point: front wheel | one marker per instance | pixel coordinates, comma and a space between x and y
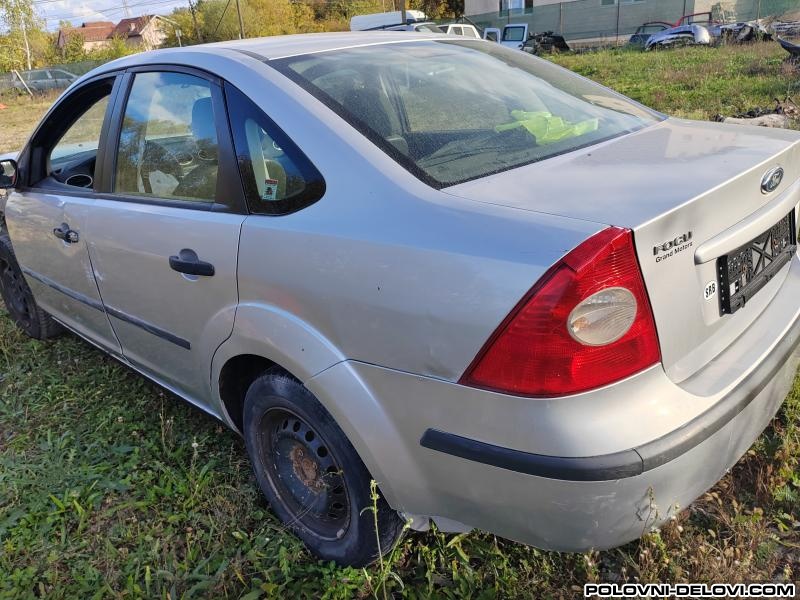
312, 476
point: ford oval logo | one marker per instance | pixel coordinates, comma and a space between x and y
771, 180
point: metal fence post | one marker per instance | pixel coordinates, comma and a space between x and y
561, 18
619, 10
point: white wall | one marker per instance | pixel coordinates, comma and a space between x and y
477, 7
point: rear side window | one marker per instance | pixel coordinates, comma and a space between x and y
277, 177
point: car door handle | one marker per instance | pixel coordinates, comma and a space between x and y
188, 263
66, 234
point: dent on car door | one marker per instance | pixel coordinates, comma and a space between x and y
46, 215
164, 243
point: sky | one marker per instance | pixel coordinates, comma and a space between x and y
78, 11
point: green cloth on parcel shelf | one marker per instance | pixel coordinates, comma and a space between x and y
546, 127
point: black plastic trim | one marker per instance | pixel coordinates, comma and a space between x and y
149, 327
591, 468
64, 290
627, 463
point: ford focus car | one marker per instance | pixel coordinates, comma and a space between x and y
515, 299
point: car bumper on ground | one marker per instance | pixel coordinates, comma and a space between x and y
591, 471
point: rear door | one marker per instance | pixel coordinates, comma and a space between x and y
47, 216
164, 242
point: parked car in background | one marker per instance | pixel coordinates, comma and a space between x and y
513, 298
416, 20
464, 29
40, 80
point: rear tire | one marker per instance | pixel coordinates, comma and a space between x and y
18, 298
312, 476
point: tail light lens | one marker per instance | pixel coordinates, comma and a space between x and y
586, 323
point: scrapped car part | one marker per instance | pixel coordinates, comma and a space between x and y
683, 35
548, 42
791, 46
787, 107
773, 120
785, 29
424, 261
645, 30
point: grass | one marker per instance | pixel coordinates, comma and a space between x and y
19, 114
110, 487
694, 83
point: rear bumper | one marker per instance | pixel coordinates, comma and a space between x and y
637, 460
590, 471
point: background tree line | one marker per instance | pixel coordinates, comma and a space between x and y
26, 43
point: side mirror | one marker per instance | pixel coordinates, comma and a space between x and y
8, 173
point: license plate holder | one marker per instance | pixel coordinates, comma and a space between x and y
746, 270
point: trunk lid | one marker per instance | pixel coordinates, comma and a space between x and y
691, 193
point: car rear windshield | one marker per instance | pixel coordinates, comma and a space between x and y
452, 111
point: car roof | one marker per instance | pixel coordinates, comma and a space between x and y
280, 46
266, 48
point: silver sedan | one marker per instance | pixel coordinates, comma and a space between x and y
515, 299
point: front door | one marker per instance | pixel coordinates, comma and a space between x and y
164, 243
47, 216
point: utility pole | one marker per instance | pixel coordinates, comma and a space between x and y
402, 11
241, 23
197, 33
125, 10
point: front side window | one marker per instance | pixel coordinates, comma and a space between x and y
71, 137
454, 110
278, 178
168, 141
83, 138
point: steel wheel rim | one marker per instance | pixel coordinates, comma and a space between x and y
304, 473
15, 292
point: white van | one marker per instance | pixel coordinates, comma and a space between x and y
387, 20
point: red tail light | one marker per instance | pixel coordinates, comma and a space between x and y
534, 353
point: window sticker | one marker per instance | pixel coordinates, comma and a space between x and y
270, 190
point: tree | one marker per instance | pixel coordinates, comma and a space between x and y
184, 22
21, 20
73, 49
